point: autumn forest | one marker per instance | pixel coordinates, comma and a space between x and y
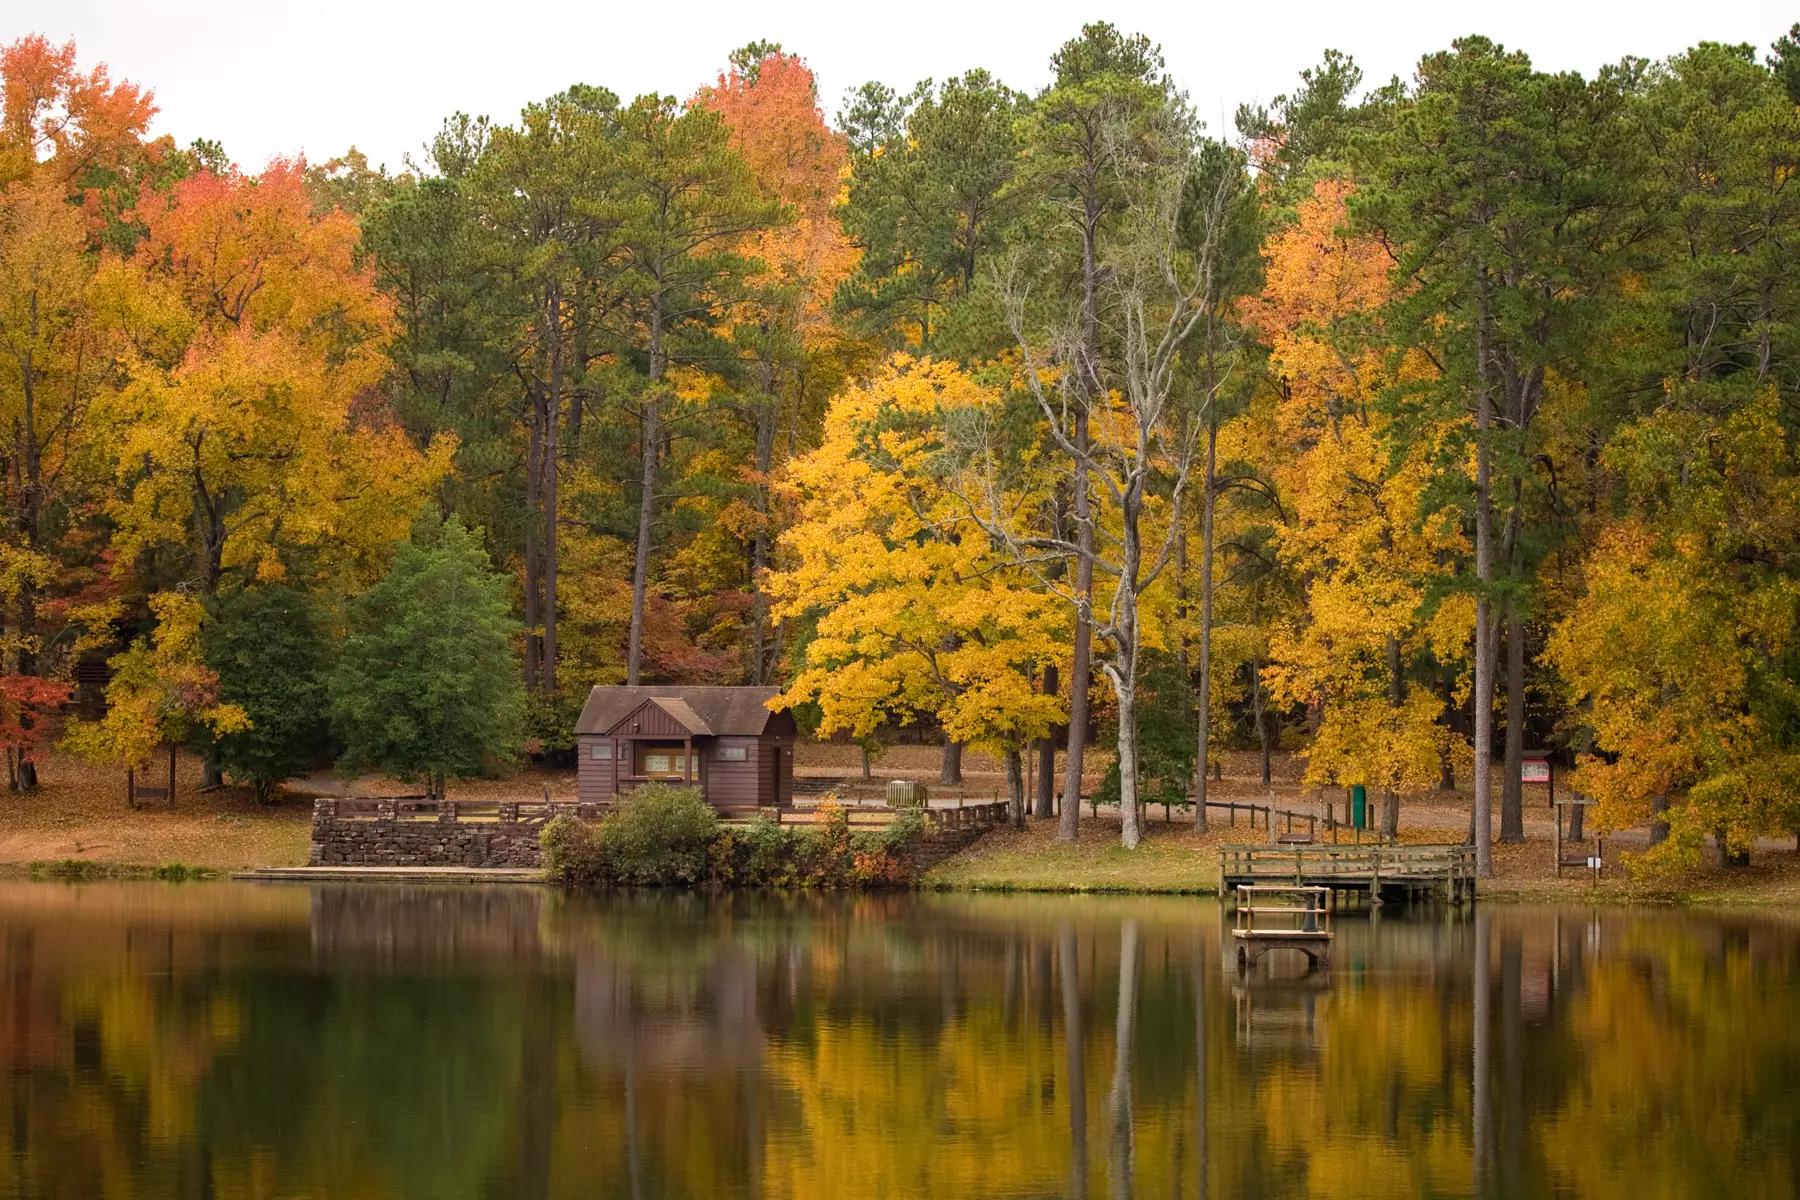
1404, 425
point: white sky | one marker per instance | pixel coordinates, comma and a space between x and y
271, 78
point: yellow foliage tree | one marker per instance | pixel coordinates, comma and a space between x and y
161, 693
915, 612
248, 423
1353, 489
1684, 645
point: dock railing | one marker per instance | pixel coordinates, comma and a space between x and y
1449, 869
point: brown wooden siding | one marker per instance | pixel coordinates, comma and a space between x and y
649, 721
730, 784
764, 778
593, 777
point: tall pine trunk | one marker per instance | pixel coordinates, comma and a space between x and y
1512, 795
552, 419
1080, 672
1046, 776
1203, 748
652, 434
1481, 812
1015, 786
1390, 813
1088, 389
534, 456
761, 660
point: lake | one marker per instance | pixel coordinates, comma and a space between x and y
228, 1040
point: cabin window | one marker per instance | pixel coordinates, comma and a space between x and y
602, 750
732, 754
661, 760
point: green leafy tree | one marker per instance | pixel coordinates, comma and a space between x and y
930, 200
270, 652
685, 201
1496, 185
427, 685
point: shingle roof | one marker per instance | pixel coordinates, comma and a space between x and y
721, 711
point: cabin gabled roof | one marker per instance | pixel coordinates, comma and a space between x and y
702, 711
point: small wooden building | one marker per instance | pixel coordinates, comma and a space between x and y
725, 740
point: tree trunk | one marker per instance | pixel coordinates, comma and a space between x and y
1390, 811
1203, 747
652, 434
1482, 810
950, 772
1088, 389
761, 661
1080, 677
1512, 795
534, 455
552, 419
1015, 786
1446, 765
1131, 827
1659, 828
1046, 777
865, 761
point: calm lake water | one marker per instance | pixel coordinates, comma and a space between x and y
223, 1040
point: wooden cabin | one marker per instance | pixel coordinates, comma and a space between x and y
724, 740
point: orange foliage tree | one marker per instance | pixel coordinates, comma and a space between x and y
784, 327
248, 426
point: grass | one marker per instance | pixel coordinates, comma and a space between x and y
1172, 859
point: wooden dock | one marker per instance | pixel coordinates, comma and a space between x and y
1304, 926
1447, 871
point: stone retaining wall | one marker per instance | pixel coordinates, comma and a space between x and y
386, 841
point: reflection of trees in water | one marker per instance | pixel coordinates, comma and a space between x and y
1118, 1099
417, 924
548, 1046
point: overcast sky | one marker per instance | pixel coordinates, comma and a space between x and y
269, 78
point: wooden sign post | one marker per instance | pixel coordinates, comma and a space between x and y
1538, 767
1590, 861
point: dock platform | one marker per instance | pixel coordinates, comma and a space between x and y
1444, 871
1307, 925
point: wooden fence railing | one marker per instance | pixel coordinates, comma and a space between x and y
1293, 821
529, 812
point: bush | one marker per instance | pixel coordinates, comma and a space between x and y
766, 854
659, 836
572, 853
665, 836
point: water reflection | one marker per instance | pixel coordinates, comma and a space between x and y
225, 1040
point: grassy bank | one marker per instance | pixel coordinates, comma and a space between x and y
1175, 859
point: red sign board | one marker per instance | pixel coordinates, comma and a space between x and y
1535, 770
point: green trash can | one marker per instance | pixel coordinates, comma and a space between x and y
1359, 806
